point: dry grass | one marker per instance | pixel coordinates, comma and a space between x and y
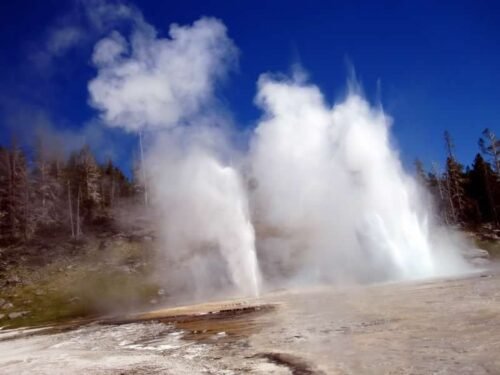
98, 281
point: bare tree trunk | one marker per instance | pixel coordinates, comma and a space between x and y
450, 200
25, 213
70, 208
78, 230
491, 200
143, 167
103, 194
12, 176
42, 180
493, 141
112, 194
441, 190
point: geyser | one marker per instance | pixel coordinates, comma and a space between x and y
204, 218
332, 201
320, 196
165, 89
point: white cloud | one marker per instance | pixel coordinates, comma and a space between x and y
62, 39
103, 15
85, 22
162, 81
108, 50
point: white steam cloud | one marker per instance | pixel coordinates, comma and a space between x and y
204, 214
331, 192
156, 85
321, 195
159, 83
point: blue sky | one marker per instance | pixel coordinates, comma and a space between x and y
434, 67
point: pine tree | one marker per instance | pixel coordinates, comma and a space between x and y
89, 191
45, 193
490, 146
15, 216
4, 193
481, 184
47, 189
420, 173
436, 187
108, 183
114, 185
454, 183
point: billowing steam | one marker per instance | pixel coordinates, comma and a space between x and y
320, 196
167, 85
203, 213
154, 83
332, 201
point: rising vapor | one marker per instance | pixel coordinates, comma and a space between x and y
320, 197
332, 201
166, 87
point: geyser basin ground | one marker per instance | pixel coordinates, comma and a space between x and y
447, 326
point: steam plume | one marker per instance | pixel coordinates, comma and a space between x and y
153, 83
158, 85
322, 186
332, 201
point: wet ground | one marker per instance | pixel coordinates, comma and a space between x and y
447, 326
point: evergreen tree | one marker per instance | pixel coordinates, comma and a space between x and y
114, 185
88, 174
481, 186
48, 189
14, 195
48, 193
490, 146
420, 173
454, 183
455, 189
436, 187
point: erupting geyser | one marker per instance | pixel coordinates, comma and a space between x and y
333, 190
165, 89
204, 217
319, 197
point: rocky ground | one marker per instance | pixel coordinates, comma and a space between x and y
68, 291
445, 326
51, 280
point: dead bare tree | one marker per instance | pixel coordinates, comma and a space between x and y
454, 181
490, 146
70, 211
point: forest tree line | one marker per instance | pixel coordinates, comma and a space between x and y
49, 194
468, 197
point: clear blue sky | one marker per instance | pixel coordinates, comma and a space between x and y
436, 67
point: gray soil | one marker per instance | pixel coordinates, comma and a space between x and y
446, 326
